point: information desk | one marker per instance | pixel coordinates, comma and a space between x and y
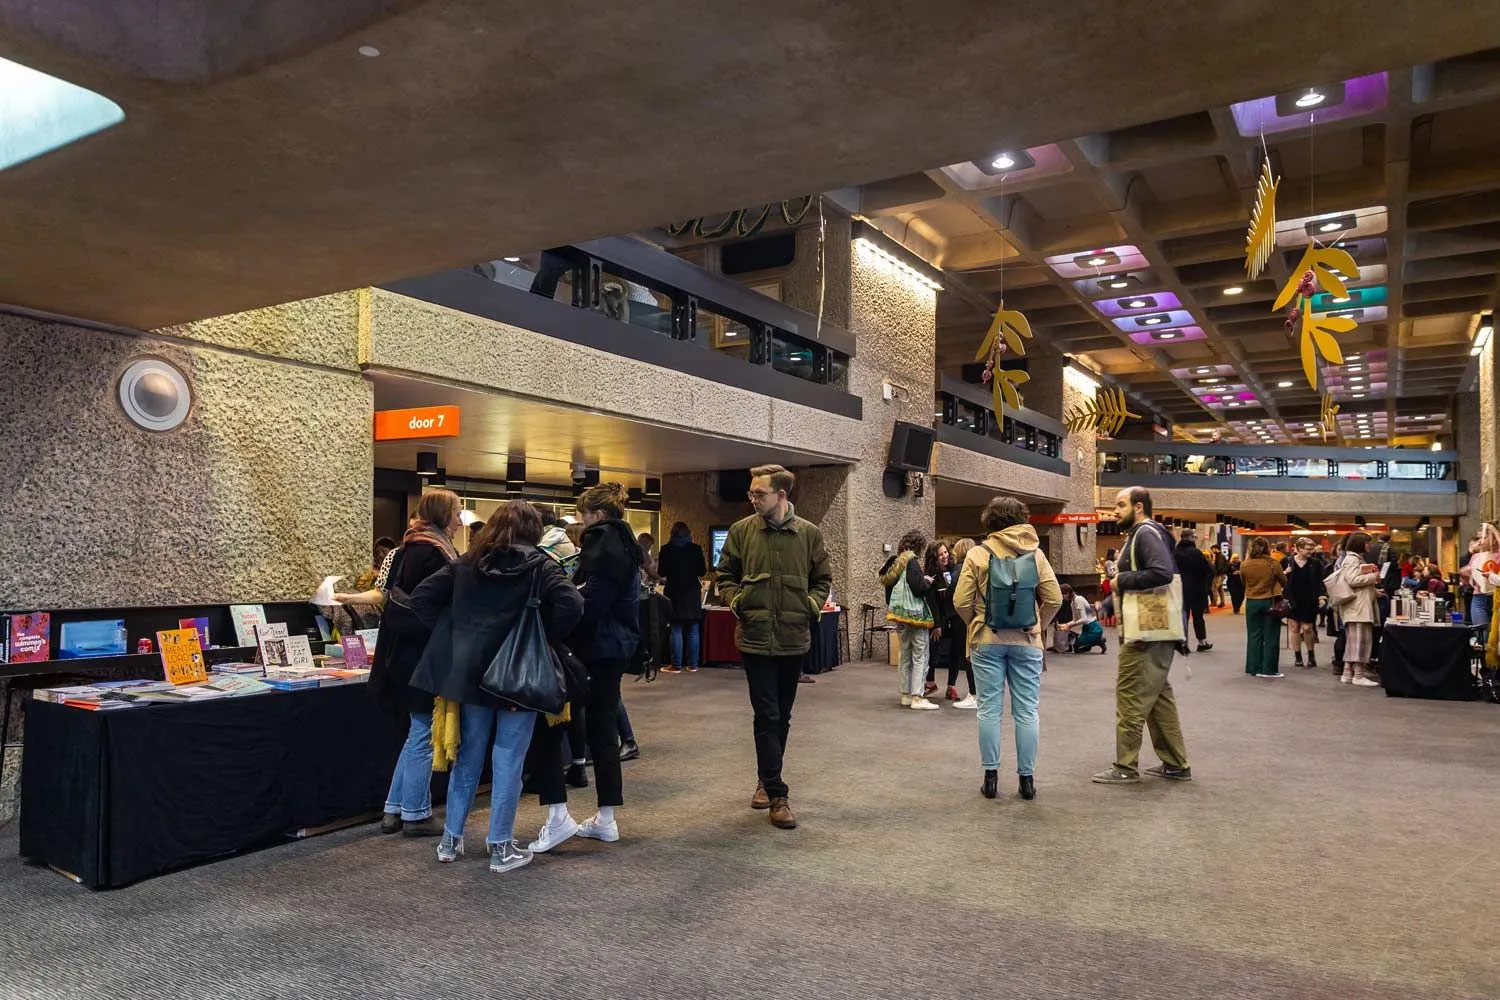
117, 796
718, 641
1427, 661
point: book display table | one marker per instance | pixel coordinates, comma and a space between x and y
717, 642
1427, 661
110, 798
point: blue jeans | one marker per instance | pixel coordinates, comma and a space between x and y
1020, 667
411, 784
689, 630
506, 734
1481, 606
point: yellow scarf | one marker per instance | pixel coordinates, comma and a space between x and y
444, 733
1492, 647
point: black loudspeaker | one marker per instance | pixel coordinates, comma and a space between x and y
893, 484
734, 485
1463, 486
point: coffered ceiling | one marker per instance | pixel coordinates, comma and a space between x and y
1126, 248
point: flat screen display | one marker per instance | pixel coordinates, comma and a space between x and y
104, 637
719, 536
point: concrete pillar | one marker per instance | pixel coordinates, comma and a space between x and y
1466, 421
1489, 434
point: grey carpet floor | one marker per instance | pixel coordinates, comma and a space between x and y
1335, 844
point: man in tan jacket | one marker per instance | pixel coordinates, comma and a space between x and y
1005, 644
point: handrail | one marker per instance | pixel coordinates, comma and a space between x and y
980, 396
957, 437
640, 260
1179, 448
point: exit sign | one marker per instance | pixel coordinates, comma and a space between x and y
421, 422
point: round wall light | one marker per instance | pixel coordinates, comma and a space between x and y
154, 394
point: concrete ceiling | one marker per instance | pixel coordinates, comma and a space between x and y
264, 159
1408, 158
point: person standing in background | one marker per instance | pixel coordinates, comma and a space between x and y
1143, 689
946, 650
682, 566
1360, 614
774, 575
1304, 592
1483, 571
906, 596
1235, 584
1264, 581
1196, 573
1221, 572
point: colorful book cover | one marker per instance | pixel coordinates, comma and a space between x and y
299, 652
28, 638
181, 655
246, 618
291, 683
272, 642
356, 657
238, 686
369, 635
201, 624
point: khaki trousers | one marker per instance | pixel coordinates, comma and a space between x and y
1143, 698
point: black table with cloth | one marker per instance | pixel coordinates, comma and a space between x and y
113, 797
1427, 661
718, 641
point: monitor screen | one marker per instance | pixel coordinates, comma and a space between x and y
719, 536
105, 637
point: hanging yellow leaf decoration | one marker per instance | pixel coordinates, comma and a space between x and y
1328, 426
1009, 324
1260, 242
1006, 380
1106, 414
1317, 339
1330, 267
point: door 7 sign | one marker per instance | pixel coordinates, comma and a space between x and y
421, 422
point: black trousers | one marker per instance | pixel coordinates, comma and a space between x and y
601, 725
1200, 627
773, 689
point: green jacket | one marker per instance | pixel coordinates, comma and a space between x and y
775, 580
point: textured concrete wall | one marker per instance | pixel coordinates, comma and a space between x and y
1470, 465
1031, 485
263, 490
1305, 502
409, 335
1489, 432
1080, 449
320, 331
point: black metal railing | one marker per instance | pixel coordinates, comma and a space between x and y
1182, 464
966, 407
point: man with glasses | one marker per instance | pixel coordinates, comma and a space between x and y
773, 573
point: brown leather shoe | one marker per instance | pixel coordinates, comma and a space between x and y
781, 814
760, 800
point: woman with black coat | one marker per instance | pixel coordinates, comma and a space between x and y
609, 576
682, 565
472, 607
426, 549
1196, 572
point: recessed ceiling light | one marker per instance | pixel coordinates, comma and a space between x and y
1097, 261
1346, 298
1311, 99
730, 333
1209, 381
1136, 304
1168, 335
1003, 162
1354, 368
1234, 290
369, 51
1202, 371
1119, 284
1329, 227
1310, 427
1232, 403
511, 260
1357, 395
1152, 321
1356, 378
1284, 384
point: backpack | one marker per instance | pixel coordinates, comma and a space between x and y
1010, 602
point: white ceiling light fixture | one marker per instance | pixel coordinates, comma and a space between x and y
1003, 162
369, 51
1284, 384
1357, 395
1330, 227
154, 394
1167, 335
1119, 283
1356, 378
1311, 99
865, 243
1136, 304
1351, 357
511, 260
1234, 290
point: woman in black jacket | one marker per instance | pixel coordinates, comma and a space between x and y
950, 636
609, 576
426, 549
1196, 572
682, 565
1304, 593
472, 606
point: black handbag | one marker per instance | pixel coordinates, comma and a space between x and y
525, 671
1281, 609
397, 617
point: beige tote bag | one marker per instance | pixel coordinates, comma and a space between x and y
1152, 615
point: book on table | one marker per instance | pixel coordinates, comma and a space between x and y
181, 655
246, 617
26, 637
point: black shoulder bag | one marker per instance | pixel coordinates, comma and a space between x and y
397, 616
525, 671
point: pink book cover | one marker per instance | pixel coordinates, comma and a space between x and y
355, 655
30, 637
201, 624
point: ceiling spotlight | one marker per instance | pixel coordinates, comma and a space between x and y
1357, 395
1119, 284
1329, 227
1356, 378
1003, 162
1168, 335
1346, 298
1202, 371
1252, 422
1209, 381
369, 51
1309, 427
1234, 290
1153, 321
1351, 357
1232, 403
1284, 384
1097, 261
1354, 368
1311, 99
511, 260
1137, 304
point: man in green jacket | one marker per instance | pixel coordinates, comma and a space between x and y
773, 574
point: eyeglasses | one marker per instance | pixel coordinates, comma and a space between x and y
761, 494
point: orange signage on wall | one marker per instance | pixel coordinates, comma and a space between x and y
1082, 517
421, 422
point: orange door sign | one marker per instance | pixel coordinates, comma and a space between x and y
421, 422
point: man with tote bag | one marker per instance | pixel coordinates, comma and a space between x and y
1151, 626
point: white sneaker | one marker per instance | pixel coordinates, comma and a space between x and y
1347, 677
595, 830
1365, 682
923, 705
906, 701
1275, 675
554, 834
968, 702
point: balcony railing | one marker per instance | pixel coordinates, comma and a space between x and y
965, 419
1275, 467
628, 298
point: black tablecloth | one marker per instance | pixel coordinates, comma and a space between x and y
114, 797
1427, 662
824, 654
718, 641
